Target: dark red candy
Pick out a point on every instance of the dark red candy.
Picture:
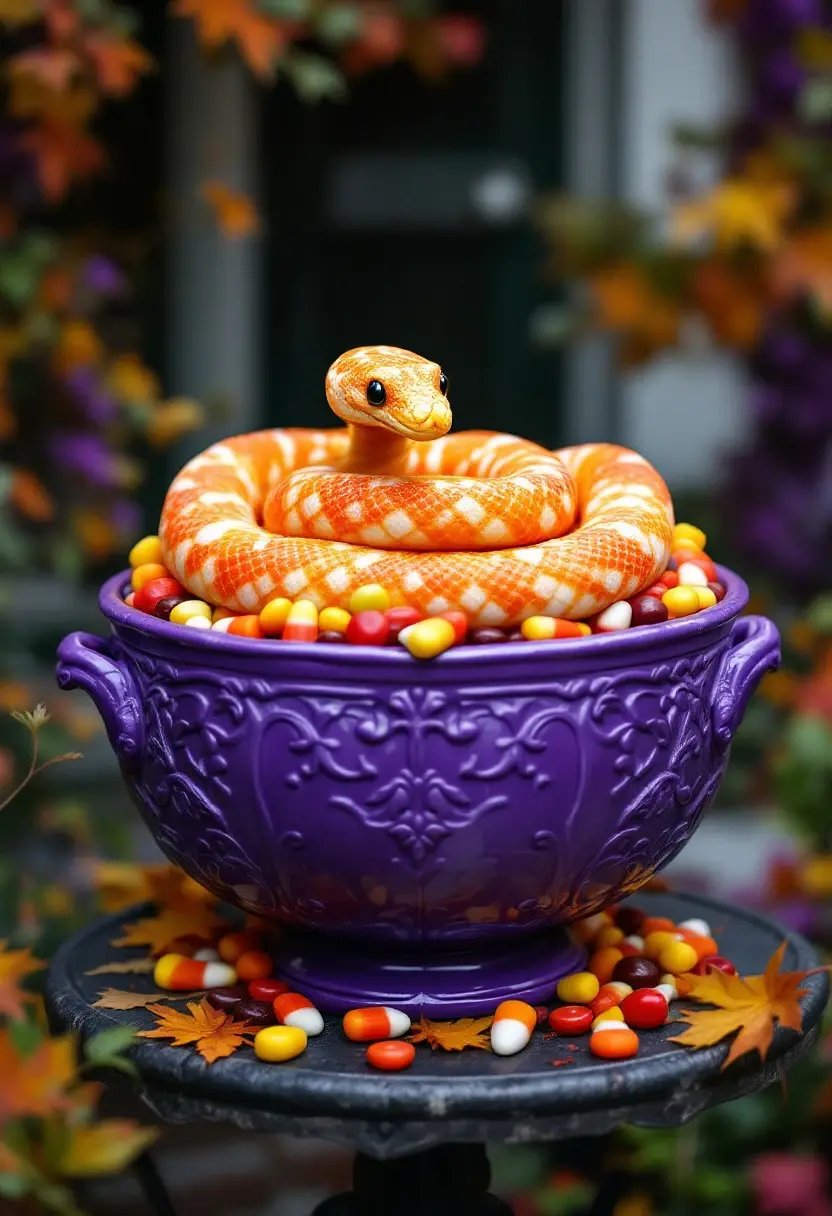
(368, 628)
(516, 635)
(486, 637)
(645, 1009)
(656, 591)
(148, 596)
(399, 619)
(718, 590)
(267, 989)
(571, 1019)
(648, 610)
(261, 1013)
(542, 1014)
(629, 920)
(227, 999)
(332, 635)
(637, 972)
(717, 961)
(166, 606)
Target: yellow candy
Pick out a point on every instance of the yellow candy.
(578, 989)
(146, 550)
(372, 595)
(220, 614)
(611, 935)
(274, 1044)
(182, 613)
(681, 601)
(334, 618)
(146, 574)
(707, 599)
(273, 617)
(688, 532)
(609, 1015)
(677, 957)
(655, 942)
(427, 639)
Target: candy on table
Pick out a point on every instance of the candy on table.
(705, 947)
(609, 996)
(145, 552)
(655, 941)
(613, 1014)
(610, 935)
(186, 610)
(634, 941)
(542, 1014)
(677, 957)
(149, 573)
(668, 988)
(206, 954)
(227, 999)
(334, 620)
(232, 945)
(261, 1013)
(637, 972)
(578, 989)
(292, 1009)
(370, 596)
(603, 962)
(254, 965)
(681, 601)
(512, 1027)
(654, 924)
(545, 628)
(369, 627)
(571, 1019)
(716, 961)
(274, 1044)
(616, 617)
(391, 1055)
(266, 989)
(375, 1022)
(429, 638)
(648, 609)
(301, 623)
(613, 1041)
(645, 1009)
(146, 597)
(176, 973)
(273, 616)
(399, 619)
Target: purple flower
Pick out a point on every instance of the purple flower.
(86, 455)
(103, 277)
(90, 395)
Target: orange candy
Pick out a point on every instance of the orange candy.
(245, 627)
(657, 924)
(602, 963)
(391, 1056)
(613, 1041)
(254, 965)
(705, 947)
(610, 935)
(232, 945)
(375, 1022)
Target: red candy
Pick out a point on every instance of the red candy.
(368, 628)
(266, 989)
(648, 610)
(718, 590)
(147, 597)
(399, 619)
(645, 1009)
(391, 1055)
(460, 623)
(716, 960)
(670, 579)
(571, 1019)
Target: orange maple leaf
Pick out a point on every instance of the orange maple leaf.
(15, 965)
(453, 1036)
(36, 1085)
(235, 213)
(52, 66)
(105, 1147)
(805, 266)
(158, 932)
(63, 154)
(117, 62)
(215, 1033)
(29, 496)
(259, 38)
(745, 1007)
(119, 998)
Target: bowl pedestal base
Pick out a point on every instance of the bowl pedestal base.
(338, 974)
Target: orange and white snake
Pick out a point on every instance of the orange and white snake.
(483, 522)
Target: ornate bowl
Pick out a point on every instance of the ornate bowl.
(423, 831)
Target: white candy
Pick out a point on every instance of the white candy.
(508, 1036)
(691, 575)
(617, 616)
(218, 975)
(206, 954)
(635, 940)
(307, 1019)
(668, 991)
(198, 622)
(222, 625)
(695, 925)
(610, 1024)
(399, 1022)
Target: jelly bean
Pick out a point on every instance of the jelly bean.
(629, 919)
(371, 596)
(332, 636)
(695, 925)
(705, 947)
(245, 626)
(677, 957)
(375, 1022)
(655, 592)
(266, 989)
(645, 1009)
(149, 594)
(487, 637)
(717, 961)
(390, 1056)
(176, 973)
(670, 579)
(512, 1027)
(587, 930)
(129, 598)
(335, 619)
(707, 599)
(163, 608)
(146, 552)
(718, 590)
(232, 945)
(399, 619)
(460, 623)
(680, 601)
(274, 1044)
(148, 573)
(610, 935)
(648, 610)
(613, 1041)
(691, 575)
(516, 635)
(544, 628)
(206, 954)
(616, 617)
(292, 1009)
(654, 924)
(570, 1019)
(368, 627)
(227, 999)
(186, 609)
(254, 965)
(197, 622)
(273, 616)
(260, 1013)
(668, 991)
(602, 963)
(695, 557)
(429, 638)
(578, 989)
(637, 972)
(688, 532)
(655, 941)
(612, 1014)
(301, 622)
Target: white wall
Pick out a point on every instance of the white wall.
(682, 410)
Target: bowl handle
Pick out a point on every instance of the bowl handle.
(86, 661)
(753, 649)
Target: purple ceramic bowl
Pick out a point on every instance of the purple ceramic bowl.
(423, 830)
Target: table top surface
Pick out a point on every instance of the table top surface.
(553, 1089)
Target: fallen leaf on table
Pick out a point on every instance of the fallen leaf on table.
(118, 998)
(214, 1033)
(36, 1084)
(15, 965)
(745, 1007)
(129, 966)
(158, 932)
(105, 1147)
(454, 1036)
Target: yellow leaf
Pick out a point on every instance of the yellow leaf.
(19, 12)
(118, 998)
(130, 966)
(78, 346)
(215, 1033)
(159, 932)
(454, 1036)
(36, 1085)
(15, 965)
(739, 212)
(258, 38)
(106, 1147)
(173, 419)
(235, 213)
(120, 884)
(131, 381)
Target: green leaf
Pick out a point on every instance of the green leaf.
(820, 614)
(18, 279)
(314, 78)
(27, 1036)
(15, 1186)
(101, 1047)
(338, 23)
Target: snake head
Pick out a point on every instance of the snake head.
(388, 387)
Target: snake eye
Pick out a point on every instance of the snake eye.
(443, 384)
(376, 393)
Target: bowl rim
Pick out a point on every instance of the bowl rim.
(612, 645)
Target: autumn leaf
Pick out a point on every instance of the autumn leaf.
(120, 884)
(804, 266)
(36, 1084)
(214, 1033)
(117, 62)
(119, 998)
(29, 496)
(63, 154)
(15, 965)
(54, 67)
(234, 212)
(453, 1036)
(738, 212)
(19, 12)
(258, 38)
(105, 1147)
(745, 1007)
(129, 966)
(158, 932)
